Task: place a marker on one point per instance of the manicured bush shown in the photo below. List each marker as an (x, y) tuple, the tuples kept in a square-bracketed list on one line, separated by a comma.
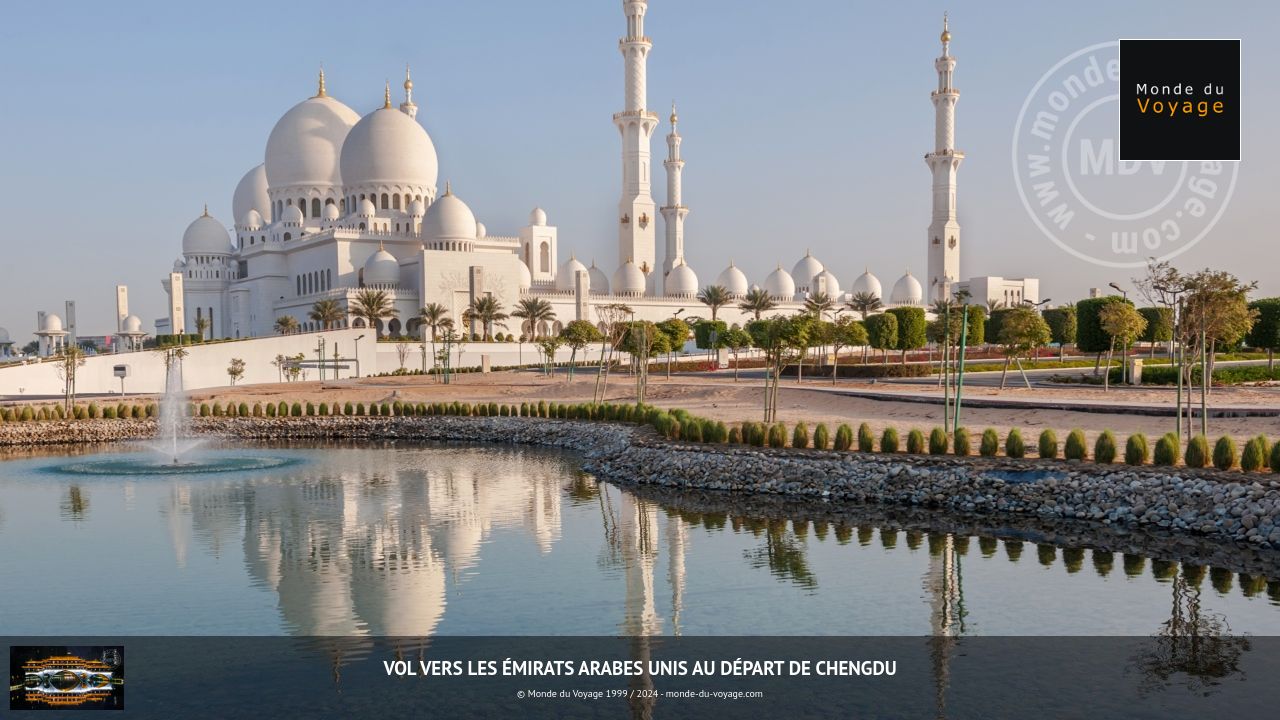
[(844, 437), (778, 436), (1047, 447), (960, 444), (94, 411), (1197, 452), (542, 409), (1224, 453), (735, 435), (310, 408), (109, 413), (721, 433), (1076, 448), (915, 442), (800, 436), (231, 410), (1254, 457), (937, 441), (243, 410), (1136, 450), (757, 434), (821, 437), (1273, 459), (1167, 450), (989, 446), (889, 440), (271, 409), (493, 409), (204, 410), (348, 408), (1014, 446), (693, 432), (153, 410), (1104, 449), (257, 409), (123, 411), (282, 409), (866, 439), (219, 410), (360, 408), (296, 409)]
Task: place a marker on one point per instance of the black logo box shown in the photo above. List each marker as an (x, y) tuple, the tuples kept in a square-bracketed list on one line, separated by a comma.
[(1187, 68)]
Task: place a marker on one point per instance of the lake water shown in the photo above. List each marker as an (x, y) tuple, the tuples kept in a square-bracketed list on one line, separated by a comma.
[(413, 540)]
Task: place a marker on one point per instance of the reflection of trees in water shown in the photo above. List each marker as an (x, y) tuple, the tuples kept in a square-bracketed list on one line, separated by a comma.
[(76, 504), (1193, 648), (784, 554)]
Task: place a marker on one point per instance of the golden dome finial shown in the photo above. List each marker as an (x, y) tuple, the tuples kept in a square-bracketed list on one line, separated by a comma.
[(408, 81), (946, 32), (674, 118), (320, 91), (386, 96)]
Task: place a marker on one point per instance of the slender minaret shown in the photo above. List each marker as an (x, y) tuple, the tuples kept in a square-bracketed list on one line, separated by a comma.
[(636, 221), (674, 212), (407, 107), (944, 161)]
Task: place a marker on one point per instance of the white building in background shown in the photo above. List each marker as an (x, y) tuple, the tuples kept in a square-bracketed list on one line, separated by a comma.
[(344, 202)]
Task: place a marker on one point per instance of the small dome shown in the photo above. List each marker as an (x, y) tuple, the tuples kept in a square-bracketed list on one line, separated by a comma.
[(52, 324), (381, 269), (449, 218), (206, 236), (179, 264), (251, 220), (538, 217), (733, 280), (780, 285), (367, 208), (481, 230), (682, 282), (292, 215), (628, 280), (805, 270), (907, 291), (251, 194), (868, 283), (387, 147), (599, 281), (305, 144), (133, 324), (417, 208), (568, 274), (526, 277), (331, 212), (833, 285)]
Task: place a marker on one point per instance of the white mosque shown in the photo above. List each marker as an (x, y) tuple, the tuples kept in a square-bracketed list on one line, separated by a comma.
[(343, 202)]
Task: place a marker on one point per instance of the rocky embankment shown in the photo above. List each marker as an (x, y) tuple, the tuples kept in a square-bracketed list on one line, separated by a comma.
[(1223, 506)]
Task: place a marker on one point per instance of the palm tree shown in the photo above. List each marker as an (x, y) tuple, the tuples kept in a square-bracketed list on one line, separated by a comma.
[(864, 303), (202, 327), (818, 305), (533, 312), (373, 306), (488, 312), (757, 302), (714, 297), (432, 316), (994, 304), (286, 324), (326, 312)]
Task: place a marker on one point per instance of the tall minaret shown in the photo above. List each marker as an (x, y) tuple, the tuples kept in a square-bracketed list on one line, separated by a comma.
[(944, 161), (636, 221), (674, 212), (407, 107)]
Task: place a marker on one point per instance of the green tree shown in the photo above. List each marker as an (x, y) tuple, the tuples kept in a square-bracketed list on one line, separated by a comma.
[(736, 340), (577, 335), (864, 303), (1159, 326), (374, 306), (235, 370), (68, 363), (1062, 326), (286, 324), (912, 329), (677, 332), (845, 332), (780, 339), (1022, 332), (487, 311), (1122, 323), (1265, 333), (1090, 337), (326, 313), (882, 332), (202, 327), (714, 297), (705, 330), (757, 302)]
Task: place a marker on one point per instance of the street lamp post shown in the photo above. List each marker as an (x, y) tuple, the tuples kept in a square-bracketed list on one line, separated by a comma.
[(1124, 351), (1176, 360), (358, 339)]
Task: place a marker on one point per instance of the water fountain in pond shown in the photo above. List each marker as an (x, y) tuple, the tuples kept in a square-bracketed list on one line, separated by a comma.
[(172, 447)]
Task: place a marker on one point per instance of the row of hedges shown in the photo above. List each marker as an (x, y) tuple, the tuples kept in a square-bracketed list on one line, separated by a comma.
[(1225, 375), (892, 370), (92, 411)]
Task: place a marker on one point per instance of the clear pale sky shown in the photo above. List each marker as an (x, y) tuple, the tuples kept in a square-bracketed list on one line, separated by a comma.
[(804, 125)]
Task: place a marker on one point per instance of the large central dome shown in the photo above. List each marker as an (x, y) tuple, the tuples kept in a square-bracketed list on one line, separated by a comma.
[(387, 148), (304, 146)]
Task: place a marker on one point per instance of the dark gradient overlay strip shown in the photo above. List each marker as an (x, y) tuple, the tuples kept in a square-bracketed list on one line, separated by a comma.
[(937, 677)]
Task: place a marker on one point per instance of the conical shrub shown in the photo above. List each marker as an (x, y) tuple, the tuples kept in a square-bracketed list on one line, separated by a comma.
[(989, 446), (961, 443), (889, 441), (1166, 452), (1254, 457), (1224, 453), (915, 442), (844, 438), (1014, 446), (1136, 450), (1197, 452), (821, 437), (800, 436), (1075, 448), (1104, 449), (938, 441), (1047, 447), (866, 439)]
